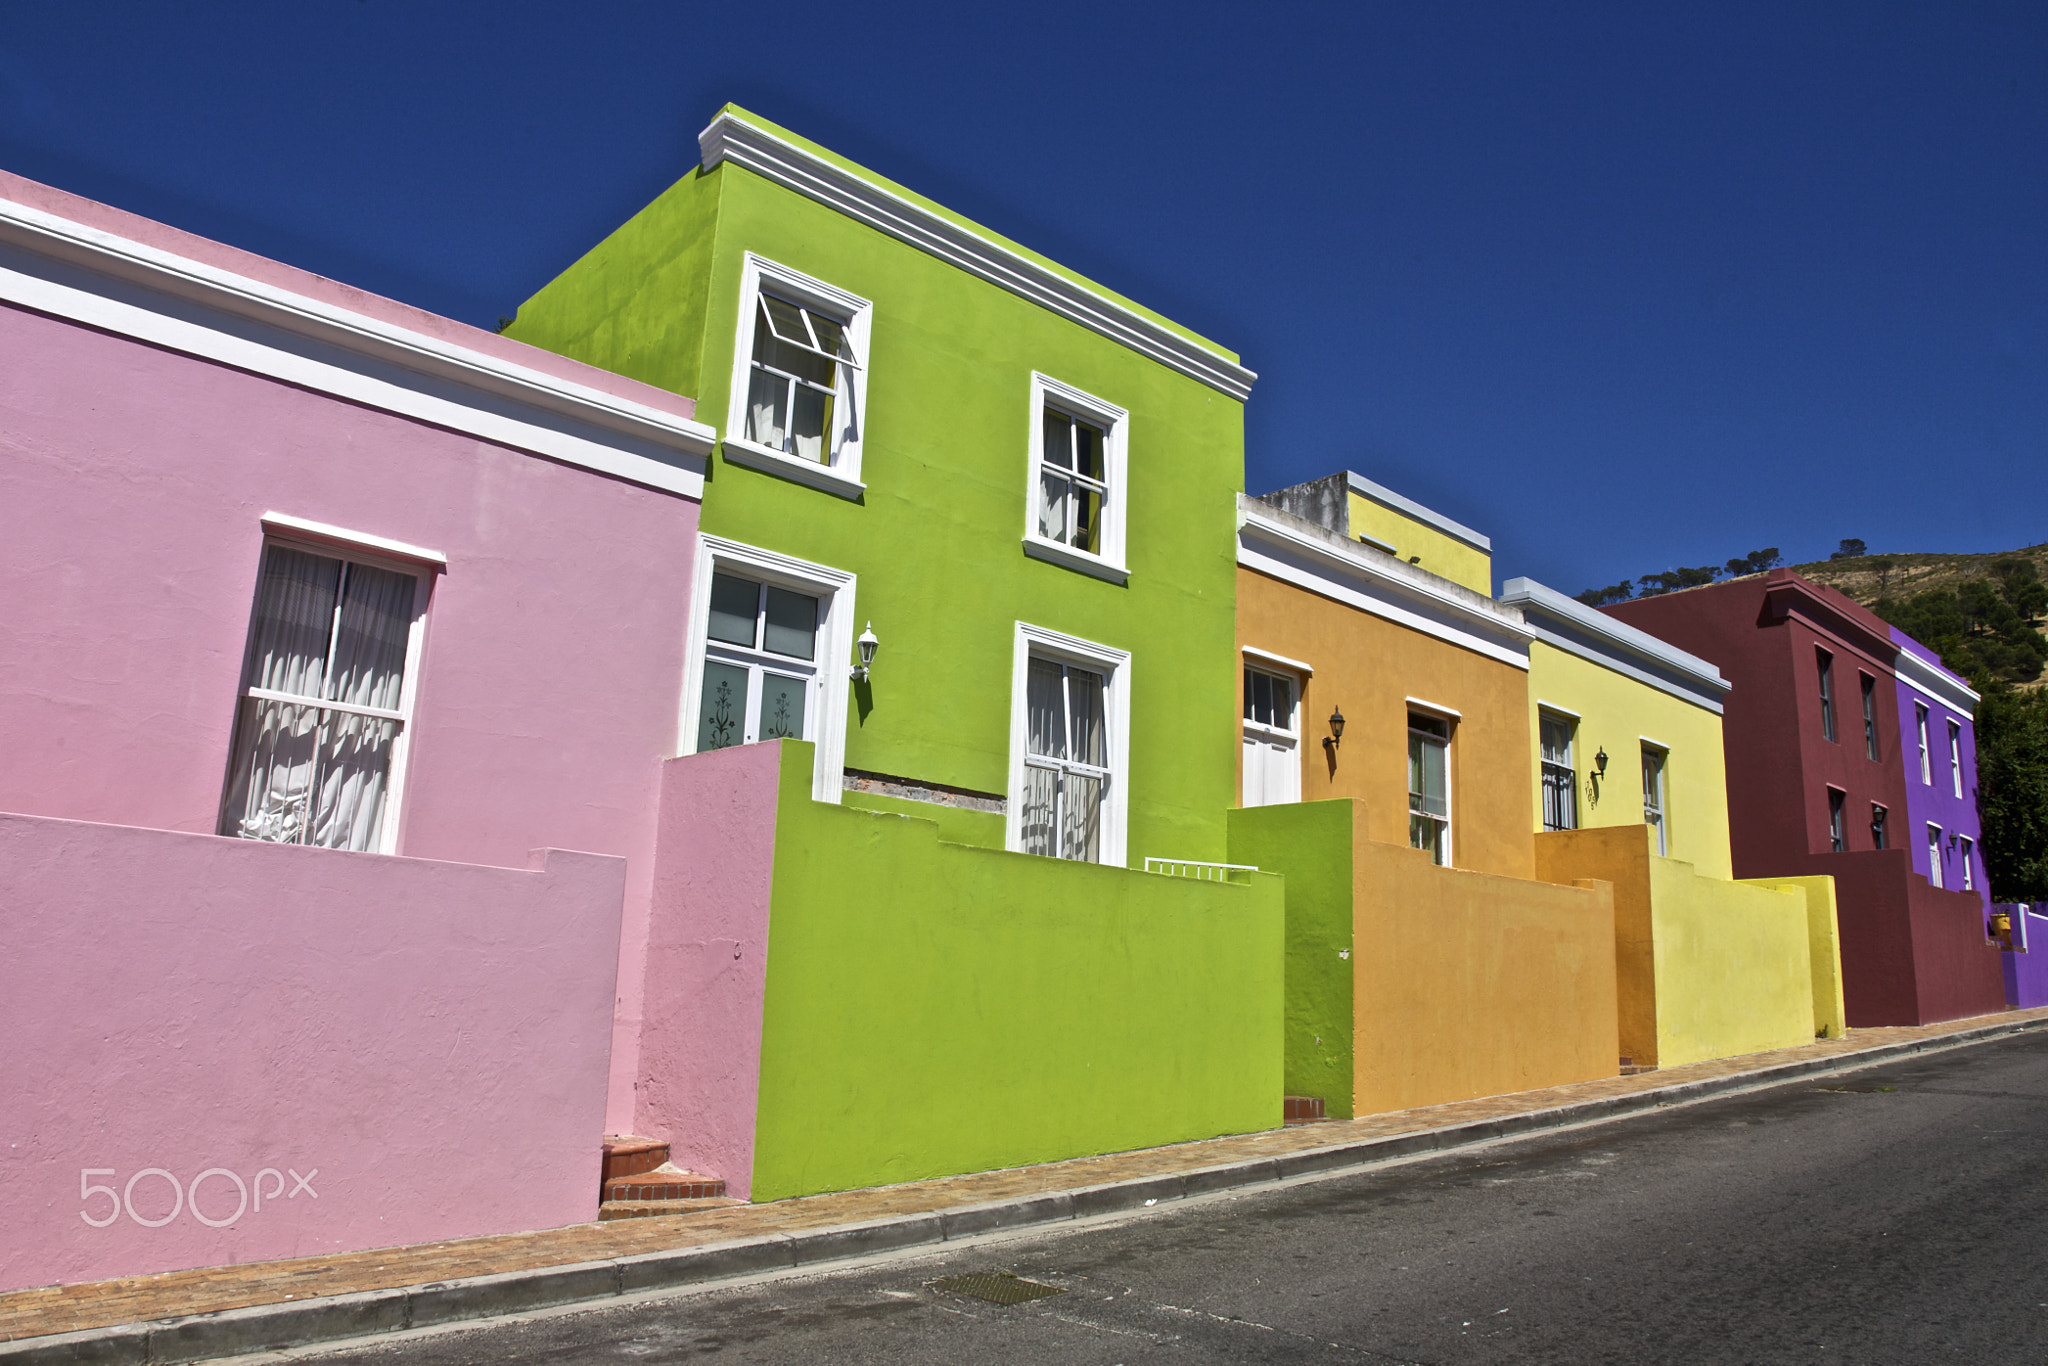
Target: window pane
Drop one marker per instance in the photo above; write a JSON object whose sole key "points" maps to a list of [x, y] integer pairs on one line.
{"points": [[782, 707], [832, 337], [1430, 725], [369, 649], [786, 320], [1087, 505], [735, 602], [1556, 740], [1081, 829], [1259, 696], [1084, 698], [271, 782], [808, 424], [1283, 702], [722, 716], [349, 805], [792, 627], [294, 617], [767, 409], [1054, 498], [1059, 441], [1045, 715], [1088, 450], [1428, 789], [1041, 790]]}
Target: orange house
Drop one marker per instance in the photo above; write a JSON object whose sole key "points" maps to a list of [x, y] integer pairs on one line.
{"points": [[1384, 770]]}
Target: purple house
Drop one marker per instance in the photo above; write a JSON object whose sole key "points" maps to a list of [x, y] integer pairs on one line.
{"points": [[330, 628], [1937, 725]]}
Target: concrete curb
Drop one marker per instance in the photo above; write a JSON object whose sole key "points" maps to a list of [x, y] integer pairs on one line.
{"points": [[302, 1323]]}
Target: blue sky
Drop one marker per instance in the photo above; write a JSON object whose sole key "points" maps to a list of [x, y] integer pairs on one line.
{"points": [[1625, 287]]}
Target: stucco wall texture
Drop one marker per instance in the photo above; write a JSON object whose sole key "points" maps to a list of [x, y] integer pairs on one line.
{"points": [[1705, 967], [1434, 550], [1368, 667], [1460, 984], [934, 1008], [936, 539], [424, 1042], [1616, 714], [132, 483]]}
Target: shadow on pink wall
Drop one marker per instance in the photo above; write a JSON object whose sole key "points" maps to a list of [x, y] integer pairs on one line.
{"points": [[220, 1051]]}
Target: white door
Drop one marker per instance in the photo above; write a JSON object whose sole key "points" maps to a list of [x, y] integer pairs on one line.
{"points": [[1272, 755]]}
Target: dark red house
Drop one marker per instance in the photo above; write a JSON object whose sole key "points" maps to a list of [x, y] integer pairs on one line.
{"points": [[1817, 784]]}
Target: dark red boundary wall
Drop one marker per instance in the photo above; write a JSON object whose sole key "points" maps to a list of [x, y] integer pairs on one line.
{"points": [[1911, 953]]}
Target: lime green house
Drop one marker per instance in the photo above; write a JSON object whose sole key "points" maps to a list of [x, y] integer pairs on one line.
{"points": [[1629, 785], [959, 669]]}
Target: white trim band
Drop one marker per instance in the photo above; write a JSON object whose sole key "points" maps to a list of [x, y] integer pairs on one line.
{"points": [[284, 525], [69, 270], [1282, 660], [729, 137]]}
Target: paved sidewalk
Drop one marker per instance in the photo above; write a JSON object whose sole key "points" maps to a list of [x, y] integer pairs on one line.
{"points": [[124, 1319]]}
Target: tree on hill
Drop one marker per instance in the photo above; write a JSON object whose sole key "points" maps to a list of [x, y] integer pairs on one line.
{"points": [[1850, 549], [1671, 580], [2012, 792]]}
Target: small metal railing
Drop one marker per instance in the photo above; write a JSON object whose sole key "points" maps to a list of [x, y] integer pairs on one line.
{"points": [[1201, 872]]}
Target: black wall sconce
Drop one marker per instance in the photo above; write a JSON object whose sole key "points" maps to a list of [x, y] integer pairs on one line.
{"points": [[1336, 735], [1600, 764]]}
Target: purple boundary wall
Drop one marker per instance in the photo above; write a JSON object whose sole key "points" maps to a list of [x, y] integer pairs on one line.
{"points": [[2026, 963], [189, 1018]]}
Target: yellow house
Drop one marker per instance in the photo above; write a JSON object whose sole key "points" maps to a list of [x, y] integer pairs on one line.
{"points": [[1385, 750], [1628, 785]]}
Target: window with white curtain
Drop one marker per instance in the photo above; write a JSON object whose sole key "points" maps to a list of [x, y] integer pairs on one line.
{"points": [[1066, 762], [799, 378], [1965, 848], [325, 701], [1069, 747], [1076, 496], [1955, 756], [1934, 854]]}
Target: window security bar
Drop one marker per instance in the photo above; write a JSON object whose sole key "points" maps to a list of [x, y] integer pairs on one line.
{"points": [[1200, 872]]}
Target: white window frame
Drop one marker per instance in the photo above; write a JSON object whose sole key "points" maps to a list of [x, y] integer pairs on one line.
{"points": [[842, 475], [374, 552], [1258, 661], [1115, 667], [1934, 856], [1926, 756], [1451, 720], [1571, 761], [1955, 754], [1965, 846], [834, 589], [1115, 424], [1657, 802]]}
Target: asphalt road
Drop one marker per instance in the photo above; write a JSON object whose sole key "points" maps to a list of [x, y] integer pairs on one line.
{"points": [[1897, 1214]]}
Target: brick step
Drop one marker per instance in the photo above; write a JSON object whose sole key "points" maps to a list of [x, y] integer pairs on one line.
{"points": [[1637, 1069], [650, 1209], [626, 1155], [1302, 1109], [666, 1182]]}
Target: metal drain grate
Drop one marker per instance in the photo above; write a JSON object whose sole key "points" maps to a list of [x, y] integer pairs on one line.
{"points": [[997, 1287]]}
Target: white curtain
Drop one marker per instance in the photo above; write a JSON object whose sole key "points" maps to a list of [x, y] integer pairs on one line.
{"points": [[304, 774], [1045, 712]]}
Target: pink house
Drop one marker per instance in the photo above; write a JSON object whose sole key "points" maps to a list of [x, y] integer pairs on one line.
{"points": [[393, 605]]}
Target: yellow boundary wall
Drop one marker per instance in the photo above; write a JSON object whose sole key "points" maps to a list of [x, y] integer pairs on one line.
{"points": [[1706, 967]]}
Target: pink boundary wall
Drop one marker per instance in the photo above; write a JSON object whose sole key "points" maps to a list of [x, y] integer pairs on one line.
{"points": [[707, 959], [132, 483], [430, 1037]]}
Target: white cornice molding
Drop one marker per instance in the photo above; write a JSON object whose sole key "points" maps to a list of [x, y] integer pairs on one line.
{"points": [[731, 138], [1577, 629], [1408, 507], [1297, 551], [145, 292], [1937, 682]]}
